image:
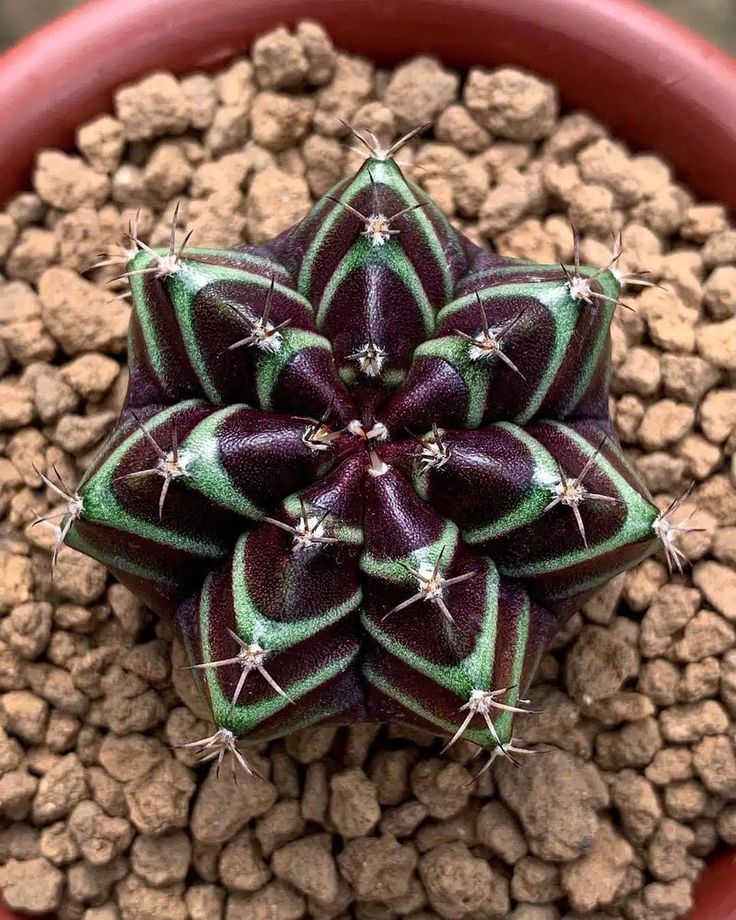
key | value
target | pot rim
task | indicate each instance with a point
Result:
(655, 83)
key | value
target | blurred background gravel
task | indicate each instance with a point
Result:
(715, 18)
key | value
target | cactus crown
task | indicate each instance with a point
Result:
(366, 470)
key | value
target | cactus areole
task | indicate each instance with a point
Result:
(367, 470)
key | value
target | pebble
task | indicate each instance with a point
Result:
(354, 808)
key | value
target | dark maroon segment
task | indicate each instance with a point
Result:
(422, 627)
(595, 431)
(543, 623)
(441, 701)
(266, 456)
(527, 344)
(593, 320)
(289, 584)
(433, 393)
(488, 474)
(223, 314)
(483, 261)
(179, 380)
(309, 386)
(378, 197)
(593, 404)
(144, 388)
(373, 304)
(341, 492)
(342, 695)
(290, 247)
(396, 520)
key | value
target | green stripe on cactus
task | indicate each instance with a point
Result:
(329, 706)
(614, 568)
(534, 502)
(395, 569)
(272, 363)
(481, 736)
(101, 506)
(640, 516)
(389, 378)
(200, 454)
(611, 288)
(475, 671)
(275, 636)
(503, 723)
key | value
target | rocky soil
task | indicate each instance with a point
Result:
(104, 816)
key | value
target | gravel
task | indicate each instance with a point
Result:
(102, 815)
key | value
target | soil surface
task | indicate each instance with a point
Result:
(104, 816)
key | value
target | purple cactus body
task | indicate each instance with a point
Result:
(366, 471)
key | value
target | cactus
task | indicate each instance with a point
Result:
(366, 471)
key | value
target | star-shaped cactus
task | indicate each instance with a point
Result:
(366, 471)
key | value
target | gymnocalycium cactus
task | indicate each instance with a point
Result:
(367, 470)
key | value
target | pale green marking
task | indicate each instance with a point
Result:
(388, 173)
(200, 455)
(640, 515)
(101, 505)
(114, 560)
(611, 288)
(145, 319)
(300, 720)
(272, 635)
(535, 499)
(389, 378)
(475, 374)
(272, 363)
(481, 737)
(475, 671)
(244, 717)
(395, 569)
(347, 533)
(231, 255)
(393, 258)
(503, 723)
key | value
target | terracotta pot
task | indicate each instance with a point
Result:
(655, 83)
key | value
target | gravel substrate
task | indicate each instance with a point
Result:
(103, 816)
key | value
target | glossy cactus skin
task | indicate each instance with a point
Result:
(367, 470)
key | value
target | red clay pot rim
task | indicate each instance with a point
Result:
(655, 83)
